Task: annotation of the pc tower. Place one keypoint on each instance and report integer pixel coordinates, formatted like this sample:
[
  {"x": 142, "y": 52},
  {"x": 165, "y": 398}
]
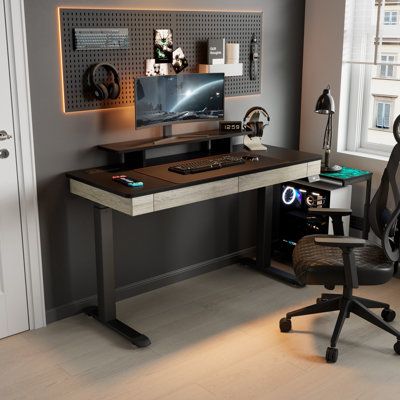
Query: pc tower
[{"x": 295, "y": 198}]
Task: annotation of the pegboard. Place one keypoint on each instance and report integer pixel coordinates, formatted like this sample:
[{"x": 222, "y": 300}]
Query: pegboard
[{"x": 191, "y": 30}]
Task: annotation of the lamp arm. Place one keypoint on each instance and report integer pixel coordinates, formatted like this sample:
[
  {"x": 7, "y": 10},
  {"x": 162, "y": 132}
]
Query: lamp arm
[
  {"x": 328, "y": 141},
  {"x": 327, "y": 158},
  {"x": 325, "y": 145}
]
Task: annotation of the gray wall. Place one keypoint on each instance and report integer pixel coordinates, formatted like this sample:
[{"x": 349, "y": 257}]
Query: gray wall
[{"x": 156, "y": 244}]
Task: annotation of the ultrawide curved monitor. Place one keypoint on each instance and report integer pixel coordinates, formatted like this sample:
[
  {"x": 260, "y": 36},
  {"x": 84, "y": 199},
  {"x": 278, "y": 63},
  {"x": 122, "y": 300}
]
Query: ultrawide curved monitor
[{"x": 171, "y": 99}]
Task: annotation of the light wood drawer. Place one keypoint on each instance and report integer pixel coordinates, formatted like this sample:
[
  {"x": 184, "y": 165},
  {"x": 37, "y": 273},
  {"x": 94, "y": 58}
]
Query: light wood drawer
[
  {"x": 194, "y": 194},
  {"x": 272, "y": 177},
  {"x": 132, "y": 207},
  {"x": 314, "y": 168}
]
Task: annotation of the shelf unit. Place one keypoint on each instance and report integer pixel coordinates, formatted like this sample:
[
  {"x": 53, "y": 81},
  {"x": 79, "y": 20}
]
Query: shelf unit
[{"x": 135, "y": 153}]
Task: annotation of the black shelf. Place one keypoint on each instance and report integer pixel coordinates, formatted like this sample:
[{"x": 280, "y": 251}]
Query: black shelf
[{"x": 134, "y": 153}]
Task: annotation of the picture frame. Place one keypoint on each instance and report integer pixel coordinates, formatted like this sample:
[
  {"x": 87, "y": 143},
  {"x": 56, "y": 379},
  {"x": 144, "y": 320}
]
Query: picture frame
[{"x": 163, "y": 46}]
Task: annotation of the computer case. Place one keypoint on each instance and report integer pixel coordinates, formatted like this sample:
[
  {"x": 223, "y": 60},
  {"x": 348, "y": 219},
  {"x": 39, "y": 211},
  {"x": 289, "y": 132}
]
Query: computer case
[{"x": 294, "y": 222}]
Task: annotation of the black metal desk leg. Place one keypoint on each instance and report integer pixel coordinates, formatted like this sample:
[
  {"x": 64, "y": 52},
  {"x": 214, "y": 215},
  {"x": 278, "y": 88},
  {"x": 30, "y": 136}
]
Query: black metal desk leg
[
  {"x": 366, "y": 209},
  {"x": 265, "y": 202},
  {"x": 106, "y": 310},
  {"x": 265, "y": 197}
]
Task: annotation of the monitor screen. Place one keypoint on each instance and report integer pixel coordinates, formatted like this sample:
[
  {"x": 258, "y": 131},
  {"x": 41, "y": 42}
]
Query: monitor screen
[{"x": 172, "y": 99}]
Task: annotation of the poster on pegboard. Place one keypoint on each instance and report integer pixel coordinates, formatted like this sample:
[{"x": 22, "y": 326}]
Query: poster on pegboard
[{"x": 191, "y": 31}]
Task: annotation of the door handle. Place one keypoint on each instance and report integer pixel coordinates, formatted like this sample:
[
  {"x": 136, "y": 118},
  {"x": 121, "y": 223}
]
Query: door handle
[
  {"x": 4, "y": 153},
  {"x": 4, "y": 135}
]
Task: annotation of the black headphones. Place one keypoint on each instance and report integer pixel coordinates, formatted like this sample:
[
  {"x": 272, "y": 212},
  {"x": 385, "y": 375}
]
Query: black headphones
[
  {"x": 103, "y": 91},
  {"x": 256, "y": 127}
]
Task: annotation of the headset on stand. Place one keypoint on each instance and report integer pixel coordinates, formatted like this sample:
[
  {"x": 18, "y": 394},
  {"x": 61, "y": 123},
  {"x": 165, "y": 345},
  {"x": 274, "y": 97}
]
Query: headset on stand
[
  {"x": 256, "y": 127},
  {"x": 104, "y": 90}
]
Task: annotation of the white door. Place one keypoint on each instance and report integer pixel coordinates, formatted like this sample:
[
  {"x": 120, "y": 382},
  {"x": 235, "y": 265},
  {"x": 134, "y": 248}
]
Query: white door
[{"x": 13, "y": 301}]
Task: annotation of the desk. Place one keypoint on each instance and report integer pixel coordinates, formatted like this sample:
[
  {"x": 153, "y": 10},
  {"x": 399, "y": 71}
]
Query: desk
[
  {"x": 349, "y": 176},
  {"x": 163, "y": 190}
]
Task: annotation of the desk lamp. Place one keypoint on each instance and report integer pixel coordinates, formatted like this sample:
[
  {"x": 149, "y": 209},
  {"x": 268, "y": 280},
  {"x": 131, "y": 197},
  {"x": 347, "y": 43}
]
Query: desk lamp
[{"x": 326, "y": 105}]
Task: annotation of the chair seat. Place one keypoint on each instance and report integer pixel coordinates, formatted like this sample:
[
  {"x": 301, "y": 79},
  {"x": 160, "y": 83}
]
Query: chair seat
[{"x": 321, "y": 265}]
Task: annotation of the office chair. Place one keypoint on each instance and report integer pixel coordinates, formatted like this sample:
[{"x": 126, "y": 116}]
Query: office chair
[{"x": 332, "y": 260}]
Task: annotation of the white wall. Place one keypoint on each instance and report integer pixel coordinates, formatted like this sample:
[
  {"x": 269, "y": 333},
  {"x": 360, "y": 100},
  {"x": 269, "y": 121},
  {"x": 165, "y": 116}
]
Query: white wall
[{"x": 323, "y": 47}]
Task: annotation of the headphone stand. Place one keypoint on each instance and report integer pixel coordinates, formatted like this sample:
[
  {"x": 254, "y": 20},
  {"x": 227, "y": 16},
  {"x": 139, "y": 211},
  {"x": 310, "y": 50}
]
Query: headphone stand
[{"x": 253, "y": 143}]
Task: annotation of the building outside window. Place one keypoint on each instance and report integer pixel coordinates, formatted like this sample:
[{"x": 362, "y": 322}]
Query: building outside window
[
  {"x": 383, "y": 114},
  {"x": 370, "y": 83},
  {"x": 387, "y": 69},
  {"x": 391, "y": 17}
]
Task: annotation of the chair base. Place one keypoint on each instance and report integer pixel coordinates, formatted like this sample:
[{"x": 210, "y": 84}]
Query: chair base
[{"x": 346, "y": 304}]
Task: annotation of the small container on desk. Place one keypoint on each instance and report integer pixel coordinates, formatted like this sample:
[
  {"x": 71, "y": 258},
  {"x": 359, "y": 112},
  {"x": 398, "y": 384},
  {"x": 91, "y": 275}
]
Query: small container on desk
[{"x": 349, "y": 176}]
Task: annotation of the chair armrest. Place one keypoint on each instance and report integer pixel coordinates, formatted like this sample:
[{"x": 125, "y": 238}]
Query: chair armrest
[
  {"x": 343, "y": 242},
  {"x": 336, "y": 214},
  {"x": 346, "y": 244},
  {"x": 331, "y": 212}
]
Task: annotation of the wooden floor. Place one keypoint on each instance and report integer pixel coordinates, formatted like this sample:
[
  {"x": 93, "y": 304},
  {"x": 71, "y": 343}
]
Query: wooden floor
[{"x": 214, "y": 337}]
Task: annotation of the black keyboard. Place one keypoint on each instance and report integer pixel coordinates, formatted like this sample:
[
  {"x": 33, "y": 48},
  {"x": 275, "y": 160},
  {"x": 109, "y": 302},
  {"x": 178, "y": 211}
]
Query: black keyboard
[{"x": 206, "y": 164}]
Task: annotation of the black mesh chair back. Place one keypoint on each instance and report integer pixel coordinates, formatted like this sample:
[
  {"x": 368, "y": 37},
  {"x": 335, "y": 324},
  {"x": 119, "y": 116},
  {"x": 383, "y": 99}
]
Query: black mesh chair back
[
  {"x": 385, "y": 206},
  {"x": 333, "y": 260}
]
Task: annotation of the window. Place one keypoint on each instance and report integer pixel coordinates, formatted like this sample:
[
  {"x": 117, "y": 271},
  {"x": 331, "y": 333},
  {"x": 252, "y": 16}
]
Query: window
[
  {"x": 370, "y": 99},
  {"x": 387, "y": 69},
  {"x": 383, "y": 113},
  {"x": 390, "y": 17}
]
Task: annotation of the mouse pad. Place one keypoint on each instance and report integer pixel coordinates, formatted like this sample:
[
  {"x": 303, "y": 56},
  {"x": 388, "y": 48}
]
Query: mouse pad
[{"x": 161, "y": 171}]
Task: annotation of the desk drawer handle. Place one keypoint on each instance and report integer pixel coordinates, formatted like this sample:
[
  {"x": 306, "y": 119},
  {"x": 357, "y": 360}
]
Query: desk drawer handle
[
  {"x": 4, "y": 135},
  {"x": 4, "y": 153}
]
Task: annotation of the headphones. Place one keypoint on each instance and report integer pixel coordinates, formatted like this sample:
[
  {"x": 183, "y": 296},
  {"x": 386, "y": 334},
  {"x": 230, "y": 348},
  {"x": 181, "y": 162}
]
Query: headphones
[
  {"x": 257, "y": 127},
  {"x": 103, "y": 91}
]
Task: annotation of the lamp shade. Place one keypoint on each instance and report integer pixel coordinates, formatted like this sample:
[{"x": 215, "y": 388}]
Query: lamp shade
[{"x": 325, "y": 103}]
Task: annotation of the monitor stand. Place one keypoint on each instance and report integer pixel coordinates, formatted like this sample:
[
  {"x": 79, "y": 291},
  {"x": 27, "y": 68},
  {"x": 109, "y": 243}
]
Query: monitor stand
[{"x": 167, "y": 136}]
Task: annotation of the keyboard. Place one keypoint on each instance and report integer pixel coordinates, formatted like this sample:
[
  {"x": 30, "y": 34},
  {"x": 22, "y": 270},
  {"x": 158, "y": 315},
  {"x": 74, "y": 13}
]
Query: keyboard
[
  {"x": 101, "y": 38},
  {"x": 206, "y": 164}
]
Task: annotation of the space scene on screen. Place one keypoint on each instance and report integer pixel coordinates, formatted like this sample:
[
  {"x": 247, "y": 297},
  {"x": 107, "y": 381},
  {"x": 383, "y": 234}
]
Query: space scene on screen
[{"x": 180, "y": 98}]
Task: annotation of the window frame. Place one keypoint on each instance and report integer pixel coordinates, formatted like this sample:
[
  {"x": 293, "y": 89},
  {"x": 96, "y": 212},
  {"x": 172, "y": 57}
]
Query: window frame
[
  {"x": 386, "y": 66},
  {"x": 356, "y": 115},
  {"x": 385, "y": 101},
  {"x": 391, "y": 21}
]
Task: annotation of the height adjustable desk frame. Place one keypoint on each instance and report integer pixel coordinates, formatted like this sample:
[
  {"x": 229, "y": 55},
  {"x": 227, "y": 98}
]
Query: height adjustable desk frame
[{"x": 159, "y": 194}]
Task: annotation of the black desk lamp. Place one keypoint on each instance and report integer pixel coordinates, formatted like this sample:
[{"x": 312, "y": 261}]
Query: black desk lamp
[{"x": 326, "y": 105}]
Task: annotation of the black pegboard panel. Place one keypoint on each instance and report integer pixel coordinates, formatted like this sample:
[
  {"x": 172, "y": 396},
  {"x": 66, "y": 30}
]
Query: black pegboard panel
[{"x": 191, "y": 30}]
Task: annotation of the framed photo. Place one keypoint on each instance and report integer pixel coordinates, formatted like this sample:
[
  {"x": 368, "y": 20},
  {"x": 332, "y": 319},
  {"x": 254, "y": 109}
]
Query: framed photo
[
  {"x": 163, "y": 46},
  {"x": 155, "y": 69},
  {"x": 179, "y": 62}
]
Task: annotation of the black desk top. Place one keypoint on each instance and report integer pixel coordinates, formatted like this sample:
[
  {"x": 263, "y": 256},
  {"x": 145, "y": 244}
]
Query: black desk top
[{"x": 158, "y": 179}]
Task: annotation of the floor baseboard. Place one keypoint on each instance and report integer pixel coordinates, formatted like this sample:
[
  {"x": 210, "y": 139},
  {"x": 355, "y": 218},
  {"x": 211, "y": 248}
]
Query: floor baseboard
[{"x": 133, "y": 289}]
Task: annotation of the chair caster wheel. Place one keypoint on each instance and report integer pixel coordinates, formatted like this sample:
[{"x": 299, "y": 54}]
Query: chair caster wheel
[
  {"x": 397, "y": 347},
  {"x": 331, "y": 355},
  {"x": 388, "y": 315},
  {"x": 285, "y": 325}
]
